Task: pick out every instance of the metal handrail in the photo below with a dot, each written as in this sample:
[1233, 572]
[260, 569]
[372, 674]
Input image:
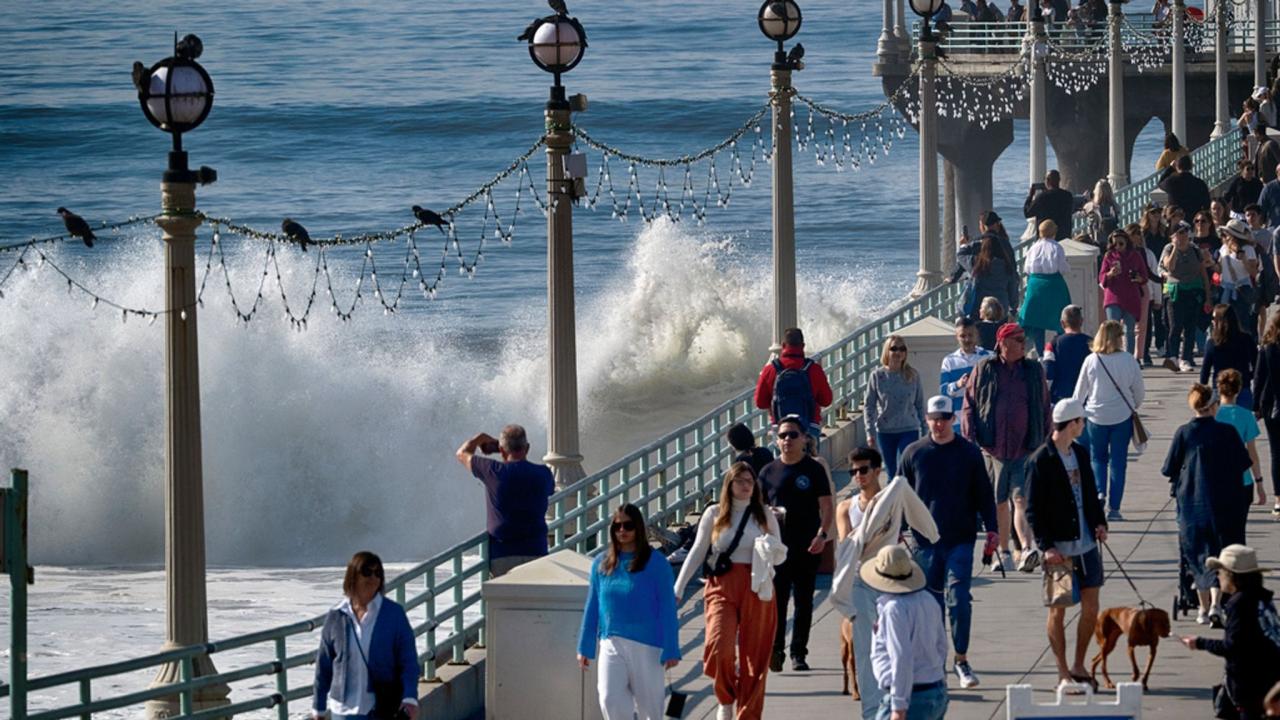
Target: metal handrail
[667, 478]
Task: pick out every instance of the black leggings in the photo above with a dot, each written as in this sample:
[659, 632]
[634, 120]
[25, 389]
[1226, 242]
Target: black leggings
[1273, 434]
[1184, 317]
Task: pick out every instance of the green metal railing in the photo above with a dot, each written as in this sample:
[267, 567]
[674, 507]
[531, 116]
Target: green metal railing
[963, 37]
[668, 479]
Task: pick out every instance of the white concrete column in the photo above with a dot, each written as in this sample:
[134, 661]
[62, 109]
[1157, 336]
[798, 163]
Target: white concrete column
[562, 400]
[186, 617]
[1178, 116]
[929, 276]
[900, 30]
[1082, 281]
[1259, 44]
[1038, 166]
[784, 223]
[1222, 109]
[887, 45]
[1117, 174]
[951, 224]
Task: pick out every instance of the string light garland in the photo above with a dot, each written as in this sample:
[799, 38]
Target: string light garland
[876, 129]
[112, 227]
[1076, 71]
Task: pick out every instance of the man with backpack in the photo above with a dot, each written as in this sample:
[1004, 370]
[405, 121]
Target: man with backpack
[793, 384]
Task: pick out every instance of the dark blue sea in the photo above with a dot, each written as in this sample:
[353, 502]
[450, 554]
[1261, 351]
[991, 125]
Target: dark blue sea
[342, 115]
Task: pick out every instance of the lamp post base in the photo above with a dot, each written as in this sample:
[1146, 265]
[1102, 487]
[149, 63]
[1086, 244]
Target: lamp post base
[926, 281]
[210, 696]
[566, 468]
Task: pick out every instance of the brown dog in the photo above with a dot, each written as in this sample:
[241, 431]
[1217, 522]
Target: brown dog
[1144, 626]
[846, 659]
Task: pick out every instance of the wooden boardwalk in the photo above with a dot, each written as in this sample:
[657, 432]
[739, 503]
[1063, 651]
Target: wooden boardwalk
[1008, 643]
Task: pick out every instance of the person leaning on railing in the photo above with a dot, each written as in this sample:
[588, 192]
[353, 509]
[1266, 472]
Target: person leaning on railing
[367, 664]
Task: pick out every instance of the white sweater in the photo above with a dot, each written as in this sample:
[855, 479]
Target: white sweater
[1103, 403]
[704, 549]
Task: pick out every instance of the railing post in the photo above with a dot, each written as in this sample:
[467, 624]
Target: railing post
[282, 679]
[459, 624]
[86, 697]
[1178, 118]
[1222, 110]
[680, 486]
[186, 697]
[1117, 174]
[484, 576]
[14, 543]
[430, 669]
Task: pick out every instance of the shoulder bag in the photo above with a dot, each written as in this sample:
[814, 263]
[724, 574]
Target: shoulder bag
[1059, 585]
[724, 563]
[1140, 436]
[386, 696]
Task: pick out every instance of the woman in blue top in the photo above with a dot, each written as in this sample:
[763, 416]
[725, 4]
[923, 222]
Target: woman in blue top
[367, 665]
[631, 612]
[1246, 425]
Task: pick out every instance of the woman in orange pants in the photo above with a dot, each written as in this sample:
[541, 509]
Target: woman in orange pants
[735, 536]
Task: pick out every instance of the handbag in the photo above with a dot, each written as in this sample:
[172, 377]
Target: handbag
[675, 704]
[1059, 585]
[1140, 435]
[724, 563]
[1223, 707]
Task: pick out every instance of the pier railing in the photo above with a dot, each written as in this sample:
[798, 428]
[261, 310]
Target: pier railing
[965, 37]
[669, 478]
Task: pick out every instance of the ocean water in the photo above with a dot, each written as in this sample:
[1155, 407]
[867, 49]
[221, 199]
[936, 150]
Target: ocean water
[342, 115]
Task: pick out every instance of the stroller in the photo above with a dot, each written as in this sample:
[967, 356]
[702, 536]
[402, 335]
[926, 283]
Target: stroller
[1186, 601]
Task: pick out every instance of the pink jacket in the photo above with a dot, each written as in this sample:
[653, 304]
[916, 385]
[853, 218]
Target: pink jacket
[1121, 290]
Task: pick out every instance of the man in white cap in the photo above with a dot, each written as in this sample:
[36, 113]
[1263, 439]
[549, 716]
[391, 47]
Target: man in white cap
[909, 649]
[950, 476]
[1068, 523]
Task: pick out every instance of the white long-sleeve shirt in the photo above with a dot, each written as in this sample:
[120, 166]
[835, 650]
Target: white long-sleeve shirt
[704, 549]
[909, 646]
[1045, 257]
[357, 681]
[1103, 402]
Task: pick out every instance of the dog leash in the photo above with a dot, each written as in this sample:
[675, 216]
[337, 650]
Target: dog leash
[1142, 602]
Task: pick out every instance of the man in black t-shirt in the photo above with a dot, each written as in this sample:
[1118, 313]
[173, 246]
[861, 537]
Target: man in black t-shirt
[799, 486]
[1050, 202]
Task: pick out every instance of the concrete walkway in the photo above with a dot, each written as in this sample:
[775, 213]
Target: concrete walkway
[1008, 640]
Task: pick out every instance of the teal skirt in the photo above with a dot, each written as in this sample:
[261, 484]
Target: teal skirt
[1047, 294]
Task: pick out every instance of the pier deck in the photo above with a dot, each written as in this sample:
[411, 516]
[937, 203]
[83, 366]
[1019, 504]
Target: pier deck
[1008, 643]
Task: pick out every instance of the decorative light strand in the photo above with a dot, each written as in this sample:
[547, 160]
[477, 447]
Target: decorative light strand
[112, 227]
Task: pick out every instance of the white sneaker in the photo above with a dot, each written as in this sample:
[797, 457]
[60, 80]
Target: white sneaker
[1216, 618]
[1202, 617]
[967, 677]
[1184, 366]
[725, 712]
[1030, 561]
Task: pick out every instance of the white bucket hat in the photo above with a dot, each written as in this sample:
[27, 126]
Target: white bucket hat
[1239, 559]
[893, 571]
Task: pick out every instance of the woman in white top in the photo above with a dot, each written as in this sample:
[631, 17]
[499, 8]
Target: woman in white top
[736, 615]
[864, 467]
[1238, 259]
[1045, 266]
[1111, 388]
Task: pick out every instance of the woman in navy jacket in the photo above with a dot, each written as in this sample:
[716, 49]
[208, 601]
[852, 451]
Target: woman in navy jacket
[367, 665]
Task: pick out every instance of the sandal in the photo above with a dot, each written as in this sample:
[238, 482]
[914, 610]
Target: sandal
[1069, 687]
[1085, 680]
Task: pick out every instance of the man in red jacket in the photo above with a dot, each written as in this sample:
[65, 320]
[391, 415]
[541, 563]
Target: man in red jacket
[793, 384]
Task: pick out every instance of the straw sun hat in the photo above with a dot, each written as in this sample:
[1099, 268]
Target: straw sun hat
[1239, 559]
[893, 571]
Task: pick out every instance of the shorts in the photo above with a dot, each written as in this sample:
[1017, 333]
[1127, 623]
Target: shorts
[1008, 476]
[1087, 569]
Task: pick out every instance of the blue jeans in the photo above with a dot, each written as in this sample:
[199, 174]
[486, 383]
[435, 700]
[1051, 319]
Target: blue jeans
[930, 704]
[1109, 450]
[864, 603]
[1115, 312]
[948, 571]
[891, 445]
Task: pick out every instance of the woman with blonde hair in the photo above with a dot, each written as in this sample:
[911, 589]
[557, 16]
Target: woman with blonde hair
[738, 614]
[1111, 388]
[1103, 212]
[895, 404]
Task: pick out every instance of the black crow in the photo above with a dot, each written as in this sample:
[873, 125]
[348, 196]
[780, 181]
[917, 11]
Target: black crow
[796, 54]
[558, 7]
[295, 232]
[141, 77]
[189, 47]
[428, 217]
[77, 226]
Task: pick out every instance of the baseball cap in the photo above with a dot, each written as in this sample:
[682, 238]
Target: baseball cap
[1067, 409]
[1009, 330]
[1182, 226]
[939, 406]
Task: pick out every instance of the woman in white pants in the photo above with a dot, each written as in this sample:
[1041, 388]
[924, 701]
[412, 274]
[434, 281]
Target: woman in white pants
[631, 613]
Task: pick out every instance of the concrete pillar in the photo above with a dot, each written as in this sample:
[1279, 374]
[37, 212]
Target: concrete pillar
[1038, 165]
[1259, 44]
[784, 223]
[186, 617]
[887, 45]
[929, 276]
[562, 398]
[973, 151]
[1222, 109]
[1082, 281]
[533, 613]
[1178, 71]
[929, 339]
[1116, 168]
[900, 31]
[951, 222]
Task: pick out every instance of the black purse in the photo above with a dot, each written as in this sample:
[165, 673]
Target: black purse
[724, 563]
[1223, 707]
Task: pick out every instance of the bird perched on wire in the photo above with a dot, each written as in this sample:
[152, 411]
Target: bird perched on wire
[794, 57]
[141, 77]
[295, 232]
[558, 7]
[189, 47]
[77, 226]
[429, 217]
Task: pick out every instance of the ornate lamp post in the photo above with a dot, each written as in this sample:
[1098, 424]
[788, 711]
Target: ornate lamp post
[176, 95]
[780, 21]
[930, 274]
[1221, 110]
[1038, 110]
[1178, 62]
[1117, 173]
[556, 45]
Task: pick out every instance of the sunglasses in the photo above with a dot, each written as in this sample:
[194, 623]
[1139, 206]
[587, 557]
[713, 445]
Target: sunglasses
[788, 435]
[864, 470]
[898, 348]
[1201, 221]
[623, 525]
[371, 571]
